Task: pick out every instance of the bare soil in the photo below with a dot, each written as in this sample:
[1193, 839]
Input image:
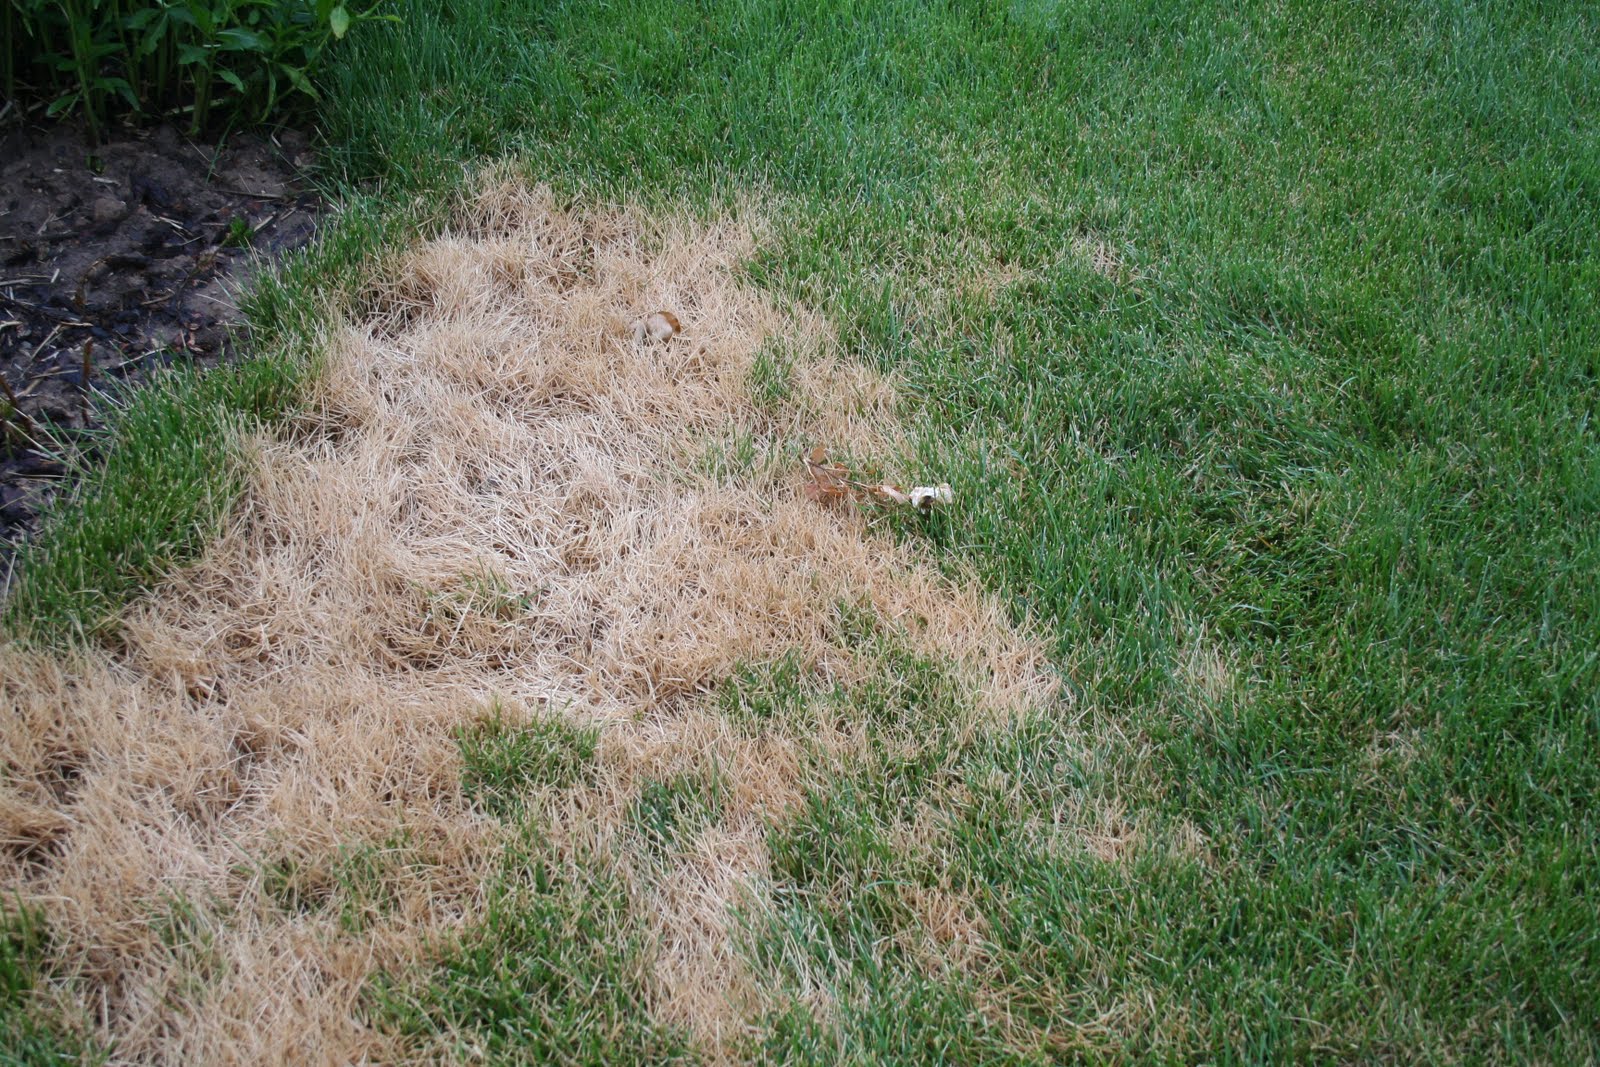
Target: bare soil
[115, 262]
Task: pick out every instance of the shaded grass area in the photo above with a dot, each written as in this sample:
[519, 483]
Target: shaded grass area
[1260, 341]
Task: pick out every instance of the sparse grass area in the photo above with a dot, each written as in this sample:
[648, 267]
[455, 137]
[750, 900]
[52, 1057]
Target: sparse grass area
[1261, 344]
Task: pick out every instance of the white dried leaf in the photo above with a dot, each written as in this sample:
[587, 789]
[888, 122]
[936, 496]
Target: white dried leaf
[926, 497]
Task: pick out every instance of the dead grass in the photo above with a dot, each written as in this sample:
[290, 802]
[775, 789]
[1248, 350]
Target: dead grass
[1099, 256]
[498, 501]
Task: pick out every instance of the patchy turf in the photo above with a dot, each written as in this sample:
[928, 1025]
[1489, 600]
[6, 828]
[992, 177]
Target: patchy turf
[441, 699]
[1259, 341]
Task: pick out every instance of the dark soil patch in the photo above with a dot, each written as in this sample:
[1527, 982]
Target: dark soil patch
[115, 262]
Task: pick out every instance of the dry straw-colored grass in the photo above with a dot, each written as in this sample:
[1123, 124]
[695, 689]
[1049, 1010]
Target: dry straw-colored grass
[500, 499]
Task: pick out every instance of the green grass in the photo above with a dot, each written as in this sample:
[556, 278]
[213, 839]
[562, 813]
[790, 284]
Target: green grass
[759, 695]
[28, 1034]
[673, 810]
[502, 761]
[1299, 470]
[771, 377]
[551, 973]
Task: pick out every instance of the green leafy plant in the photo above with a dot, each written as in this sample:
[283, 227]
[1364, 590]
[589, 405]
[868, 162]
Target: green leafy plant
[238, 60]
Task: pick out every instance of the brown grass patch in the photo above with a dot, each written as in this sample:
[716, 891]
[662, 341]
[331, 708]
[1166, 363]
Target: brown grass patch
[499, 499]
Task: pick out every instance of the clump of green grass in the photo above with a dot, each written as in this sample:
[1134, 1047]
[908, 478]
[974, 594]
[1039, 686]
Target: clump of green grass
[771, 377]
[239, 234]
[906, 1018]
[552, 972]
[845, 891]
[739, 455]
[28, 1035]
[159, 479]
[188, 928]
[763, 695]
[502, 761]
[907, 692]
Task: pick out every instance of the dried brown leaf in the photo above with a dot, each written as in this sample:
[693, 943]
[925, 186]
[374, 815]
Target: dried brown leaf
[657, 327]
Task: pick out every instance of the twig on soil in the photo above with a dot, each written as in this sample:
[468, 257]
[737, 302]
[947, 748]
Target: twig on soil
[88, 371]
[14, 412]
[130, 361]
[255, 196]
[50, 313]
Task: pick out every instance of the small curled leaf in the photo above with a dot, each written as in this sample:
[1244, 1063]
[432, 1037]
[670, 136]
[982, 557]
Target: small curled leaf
[657, 327]
[298, 79]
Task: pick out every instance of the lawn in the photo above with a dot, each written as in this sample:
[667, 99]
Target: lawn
[1261, 344]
